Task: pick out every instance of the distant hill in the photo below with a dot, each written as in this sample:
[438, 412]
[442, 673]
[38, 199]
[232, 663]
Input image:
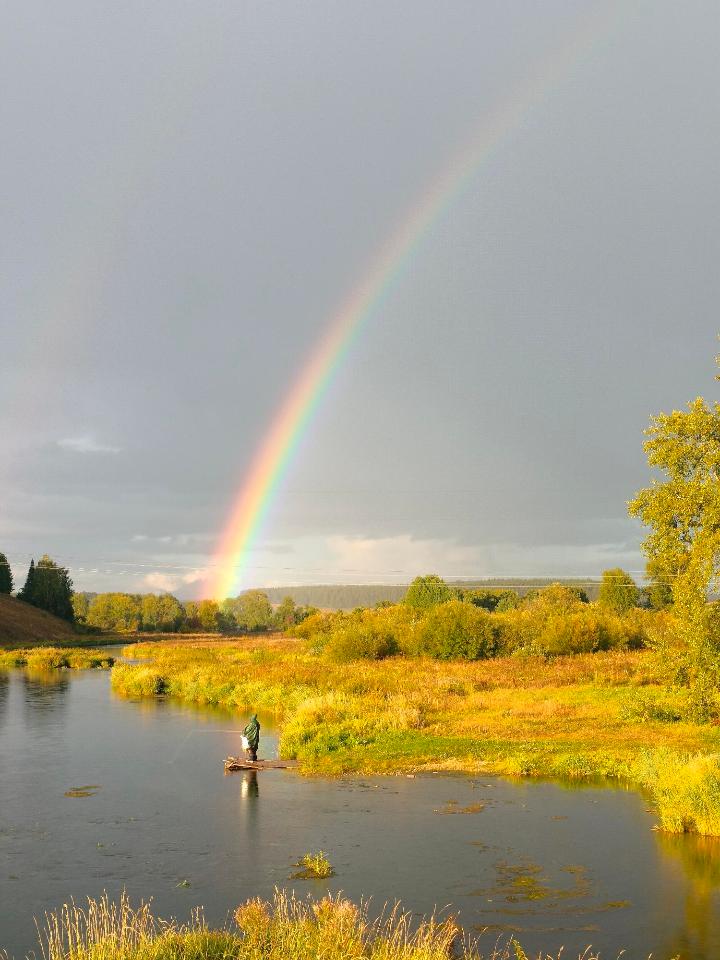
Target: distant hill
[348, 596]
[24, 625]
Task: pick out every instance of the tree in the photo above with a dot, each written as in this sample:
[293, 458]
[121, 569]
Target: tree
[6, 577]
[27, 591]
[81, 606]
[49, 587]
[428, 591]
[658, 592]
[250, 611]
[162, 613]
[286, 614]
[618, 591]
[208, 614]
[683, 513]
[115, 611]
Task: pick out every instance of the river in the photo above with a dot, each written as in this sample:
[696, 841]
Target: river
[158, 817]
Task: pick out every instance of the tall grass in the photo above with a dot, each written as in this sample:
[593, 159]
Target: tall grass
[56, 658]
[285, 928]
[686, 792]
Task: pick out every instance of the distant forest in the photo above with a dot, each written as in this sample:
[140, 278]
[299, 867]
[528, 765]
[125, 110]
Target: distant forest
[349, 596]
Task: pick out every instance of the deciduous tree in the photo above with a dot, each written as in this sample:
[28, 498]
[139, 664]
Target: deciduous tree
[683, 513]
[427, 591]
[618, 591]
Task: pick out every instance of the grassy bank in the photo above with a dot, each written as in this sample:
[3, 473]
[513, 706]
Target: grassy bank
[285, 929]
[580, 717]
[56, 658]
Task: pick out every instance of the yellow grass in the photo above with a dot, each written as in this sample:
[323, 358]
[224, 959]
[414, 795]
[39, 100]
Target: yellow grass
[285, 928]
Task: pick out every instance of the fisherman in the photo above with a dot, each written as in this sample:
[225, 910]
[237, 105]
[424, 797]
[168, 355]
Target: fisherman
[251, 737]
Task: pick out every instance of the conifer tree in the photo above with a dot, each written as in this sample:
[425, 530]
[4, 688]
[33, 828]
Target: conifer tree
[27, 591]
[6, 578]
[49, 587]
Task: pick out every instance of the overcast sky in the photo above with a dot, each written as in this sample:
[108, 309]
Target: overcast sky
[190, 190]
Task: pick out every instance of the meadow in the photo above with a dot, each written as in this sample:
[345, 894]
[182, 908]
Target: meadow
[584, 717]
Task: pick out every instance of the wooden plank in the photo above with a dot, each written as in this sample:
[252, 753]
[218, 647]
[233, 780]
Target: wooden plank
[241, 763]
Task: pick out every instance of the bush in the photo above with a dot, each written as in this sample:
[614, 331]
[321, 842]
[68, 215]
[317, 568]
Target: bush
[543, 630]
[458, 631]
[366, 636]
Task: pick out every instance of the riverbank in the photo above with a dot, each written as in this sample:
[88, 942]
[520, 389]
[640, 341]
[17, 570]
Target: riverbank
[584, 717]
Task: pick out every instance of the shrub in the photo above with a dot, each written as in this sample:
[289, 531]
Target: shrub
[458, 631]
[365, 636]
[547, 630]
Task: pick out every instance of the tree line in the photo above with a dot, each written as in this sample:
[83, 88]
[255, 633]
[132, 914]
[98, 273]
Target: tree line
[48, 586]
[250, 612]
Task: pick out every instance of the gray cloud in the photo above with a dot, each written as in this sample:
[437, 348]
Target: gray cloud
[86, 444]
[189, 194]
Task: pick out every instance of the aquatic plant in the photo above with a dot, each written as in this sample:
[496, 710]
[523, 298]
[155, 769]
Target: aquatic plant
[314, 866]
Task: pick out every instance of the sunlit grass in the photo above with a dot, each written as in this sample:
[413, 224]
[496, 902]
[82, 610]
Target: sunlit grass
[314, 866]
[286, 928]
[56, 658]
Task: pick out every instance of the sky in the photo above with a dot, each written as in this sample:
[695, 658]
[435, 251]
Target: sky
[189, 192]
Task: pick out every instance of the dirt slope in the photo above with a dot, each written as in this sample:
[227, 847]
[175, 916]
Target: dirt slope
[24, 626]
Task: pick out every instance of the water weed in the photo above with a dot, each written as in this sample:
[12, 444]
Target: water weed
[314, 866]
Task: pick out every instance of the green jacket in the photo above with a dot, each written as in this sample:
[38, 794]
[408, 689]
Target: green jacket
[252, 732]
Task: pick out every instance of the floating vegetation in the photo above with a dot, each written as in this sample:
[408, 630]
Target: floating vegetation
[183, 883]
[87, 791]
[315, 866]
[452, 806]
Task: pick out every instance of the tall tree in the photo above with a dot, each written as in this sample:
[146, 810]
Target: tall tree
[27, 591]
[81, 606]
[618, 591]
[49, 587]
[115, 611]
[683, 513]
[428, 591]
[6, 577]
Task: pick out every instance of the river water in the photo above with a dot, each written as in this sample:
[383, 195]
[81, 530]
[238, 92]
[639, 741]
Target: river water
[158, 817]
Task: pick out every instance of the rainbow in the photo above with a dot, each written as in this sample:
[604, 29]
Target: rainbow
[275, 454]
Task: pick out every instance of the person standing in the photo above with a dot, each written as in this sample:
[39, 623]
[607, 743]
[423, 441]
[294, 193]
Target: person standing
[251, 736]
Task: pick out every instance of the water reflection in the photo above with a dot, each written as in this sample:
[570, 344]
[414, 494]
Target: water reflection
[700, 861]
[44, 694]
[4, 695]
[249, 789]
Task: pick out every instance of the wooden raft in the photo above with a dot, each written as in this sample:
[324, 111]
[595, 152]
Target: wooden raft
[242, 763]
